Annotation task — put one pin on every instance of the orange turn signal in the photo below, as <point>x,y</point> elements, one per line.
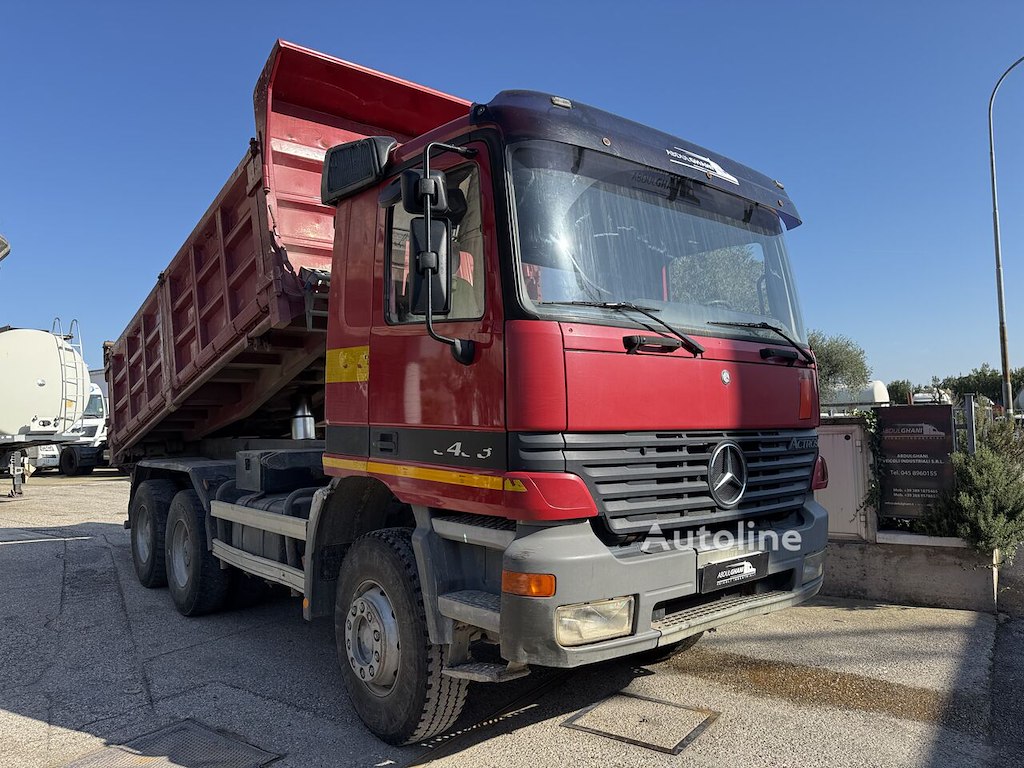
<point>806,397</point>
<point>528,584</point>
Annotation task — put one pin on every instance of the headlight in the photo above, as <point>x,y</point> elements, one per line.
<point>814,566</point>
<point>589,622</point>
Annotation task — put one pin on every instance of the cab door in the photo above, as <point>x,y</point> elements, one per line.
<point>426,409</point>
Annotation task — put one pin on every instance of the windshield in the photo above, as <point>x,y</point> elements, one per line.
<point>594,228</point>
<point>94,408</point>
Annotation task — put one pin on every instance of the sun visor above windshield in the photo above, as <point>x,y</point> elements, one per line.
<point>533,115</point>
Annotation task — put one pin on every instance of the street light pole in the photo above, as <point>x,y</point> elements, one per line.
<point>1007,390</point>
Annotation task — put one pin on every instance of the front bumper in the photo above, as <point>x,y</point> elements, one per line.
<point>664,583</point>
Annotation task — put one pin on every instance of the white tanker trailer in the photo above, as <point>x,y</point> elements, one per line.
<point>44,386</point>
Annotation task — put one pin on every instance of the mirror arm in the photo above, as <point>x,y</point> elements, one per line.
<point>464,151</point>
<point>463,350</point>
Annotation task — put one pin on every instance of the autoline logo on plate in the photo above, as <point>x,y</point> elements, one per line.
<point>743,538</point>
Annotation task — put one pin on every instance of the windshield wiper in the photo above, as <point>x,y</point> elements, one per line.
<point>769,327</point>
<point>620,306</point>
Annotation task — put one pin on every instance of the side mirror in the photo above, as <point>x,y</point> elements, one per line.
<point>424,193</point>
<point>431,254</point>
<point>354,166</point>
<point>419,191</point>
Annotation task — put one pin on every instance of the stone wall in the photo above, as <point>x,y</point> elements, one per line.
<point>946,576</point>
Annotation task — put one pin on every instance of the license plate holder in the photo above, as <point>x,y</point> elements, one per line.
<point>734,571</point>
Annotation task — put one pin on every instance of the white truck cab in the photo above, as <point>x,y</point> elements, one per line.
<point>88,448</point>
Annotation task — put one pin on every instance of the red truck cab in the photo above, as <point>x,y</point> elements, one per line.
<point>600,391</point>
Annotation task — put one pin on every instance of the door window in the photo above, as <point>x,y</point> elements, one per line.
<point>467,252</point>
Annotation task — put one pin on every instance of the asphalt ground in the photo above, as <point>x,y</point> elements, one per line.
<point>89,658</point>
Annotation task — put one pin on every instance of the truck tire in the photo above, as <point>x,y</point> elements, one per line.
<point>197,583</point>
<point>148,517</point>
<point>666,652</point>
<point>391,669</point>
<point>71,463</point>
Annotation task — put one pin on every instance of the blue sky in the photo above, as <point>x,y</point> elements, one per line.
<point>119,123</point>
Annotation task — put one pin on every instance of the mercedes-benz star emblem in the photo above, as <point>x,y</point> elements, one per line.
<point>727,474</point>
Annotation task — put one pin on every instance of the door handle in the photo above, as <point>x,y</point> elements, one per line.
<point>780,354</point>
<point>386,442</point>
<point>662,344</point>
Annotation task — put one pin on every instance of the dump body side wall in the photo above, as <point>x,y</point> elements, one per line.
<point>222,343</point>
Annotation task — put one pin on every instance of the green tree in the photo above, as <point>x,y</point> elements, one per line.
<point>986,380</point>
<point>900,391</point>
<point>842,364</point>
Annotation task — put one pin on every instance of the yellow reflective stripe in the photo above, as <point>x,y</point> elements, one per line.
<point>357,466</point>
<point>347,364</point>
<point>451,477</point>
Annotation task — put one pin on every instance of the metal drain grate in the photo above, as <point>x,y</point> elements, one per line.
<point>182,745</point>
<point>644,722</point>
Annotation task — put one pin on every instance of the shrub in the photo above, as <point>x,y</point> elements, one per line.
<point>1001,437</point>
<point>986,507</point>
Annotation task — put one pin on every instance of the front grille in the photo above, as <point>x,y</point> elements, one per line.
<point>642,478</point>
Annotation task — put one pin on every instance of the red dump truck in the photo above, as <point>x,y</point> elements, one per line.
<point>522,374</point>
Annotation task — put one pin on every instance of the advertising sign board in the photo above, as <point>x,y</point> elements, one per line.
<point>916,446</point>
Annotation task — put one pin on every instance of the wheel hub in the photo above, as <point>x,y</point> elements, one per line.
<point>181,557</point>
<point>371,638</point>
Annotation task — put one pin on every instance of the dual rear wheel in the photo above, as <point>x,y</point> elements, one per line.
<point>169,548</point>
<point>392,671</point>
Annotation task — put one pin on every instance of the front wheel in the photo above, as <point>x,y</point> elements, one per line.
<point>70,462</point>
<point>391,669</point>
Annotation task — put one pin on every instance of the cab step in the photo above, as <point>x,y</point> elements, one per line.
<point>487,672</point>
<point>473,607</point>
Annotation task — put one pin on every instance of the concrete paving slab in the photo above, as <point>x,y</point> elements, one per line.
<point>752,730</point>
<point>305,739</point>
<point>654,724</point>
<point>924,647</point>
<point>24,726</point>
<point>65,744</point>
<point>1007,685</point>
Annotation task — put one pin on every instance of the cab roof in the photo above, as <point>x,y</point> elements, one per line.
<point>535,115</point>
